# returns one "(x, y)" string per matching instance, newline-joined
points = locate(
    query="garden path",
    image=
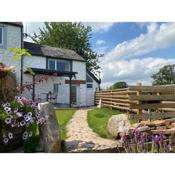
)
(81, 138)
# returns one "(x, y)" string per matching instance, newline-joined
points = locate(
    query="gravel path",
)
(81, 138)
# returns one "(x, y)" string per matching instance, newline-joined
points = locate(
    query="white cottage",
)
(68, 81)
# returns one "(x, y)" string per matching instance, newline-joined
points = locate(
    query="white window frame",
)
(1, 44)
(55, 60)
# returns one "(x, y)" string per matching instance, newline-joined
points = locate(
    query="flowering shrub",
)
(141, 142)
(20, 113)
(5, 69)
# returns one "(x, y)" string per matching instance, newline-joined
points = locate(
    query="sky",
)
(132, 52)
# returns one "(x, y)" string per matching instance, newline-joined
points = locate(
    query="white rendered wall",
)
(13, 35)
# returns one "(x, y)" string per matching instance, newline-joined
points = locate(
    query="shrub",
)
(20, 114)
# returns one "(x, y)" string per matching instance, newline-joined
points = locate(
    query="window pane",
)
(89, 85)
(55, 88)
(52, 64)
(0, 35)
(60, 66)
(63, 65)
(67, 66)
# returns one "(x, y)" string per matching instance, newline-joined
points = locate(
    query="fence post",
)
(139, 102)
(111, 98)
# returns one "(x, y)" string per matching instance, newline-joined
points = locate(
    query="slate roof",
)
(53, 52)
(93, 76)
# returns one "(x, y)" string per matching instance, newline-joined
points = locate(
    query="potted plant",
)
(4, 70)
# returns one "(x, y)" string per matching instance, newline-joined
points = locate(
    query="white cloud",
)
(32, 27)
(100, 42)
(157, 37)
(133, 70)
(100, 26)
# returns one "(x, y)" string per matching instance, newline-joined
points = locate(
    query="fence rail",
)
(139, 99)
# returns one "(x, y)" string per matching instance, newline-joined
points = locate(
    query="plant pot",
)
(3, 74)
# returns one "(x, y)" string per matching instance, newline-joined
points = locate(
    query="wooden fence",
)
(141, 100)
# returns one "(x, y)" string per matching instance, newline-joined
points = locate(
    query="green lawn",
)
(63, 117)
(98, 119)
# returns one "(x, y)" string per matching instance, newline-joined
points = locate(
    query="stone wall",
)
(166, 126)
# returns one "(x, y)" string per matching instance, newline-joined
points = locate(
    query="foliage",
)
(166, 75)
(18, 53)
(119, 85)
(141, 142)
(4, 69)
(98, 119)
(63, 117)
(20, 113)
(68, 35)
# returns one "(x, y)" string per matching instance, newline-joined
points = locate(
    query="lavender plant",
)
(141, 142)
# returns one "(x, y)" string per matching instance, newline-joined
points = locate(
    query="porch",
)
(49, 95)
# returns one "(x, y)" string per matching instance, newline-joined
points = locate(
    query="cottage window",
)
(89, 85)
(1, 36)
(63, 65)
(59, 65)
(51, 64)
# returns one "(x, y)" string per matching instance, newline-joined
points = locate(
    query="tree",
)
(166, 75)
(68, 35)
(119, 85)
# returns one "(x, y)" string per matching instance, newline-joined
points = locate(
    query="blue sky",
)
(132, 51)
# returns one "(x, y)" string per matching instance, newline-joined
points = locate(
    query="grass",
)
(63, 117)
(98, 119)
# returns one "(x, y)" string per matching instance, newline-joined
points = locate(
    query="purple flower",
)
(29, 114)
(27, 118)
(37, 115)
(41, 120)
(33, 105)
(10, 135)
(5, 140)
(25, 135)
(22, 123)
(30, 134)
(167, 146)
(19, 114)
(137, 132)
(6, 105)
(7, 109)
(8, 121)
(19, 99)
(15, 110)
(156, 139)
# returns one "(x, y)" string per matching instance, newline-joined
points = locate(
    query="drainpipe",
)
(21, 63)
(70, 87)
(33, 93)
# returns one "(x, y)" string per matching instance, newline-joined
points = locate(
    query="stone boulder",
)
(50, 135)
(8, 88)
(118, 124)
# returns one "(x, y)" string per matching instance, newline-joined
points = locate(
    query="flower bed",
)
(17, 122)
(155, 137)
